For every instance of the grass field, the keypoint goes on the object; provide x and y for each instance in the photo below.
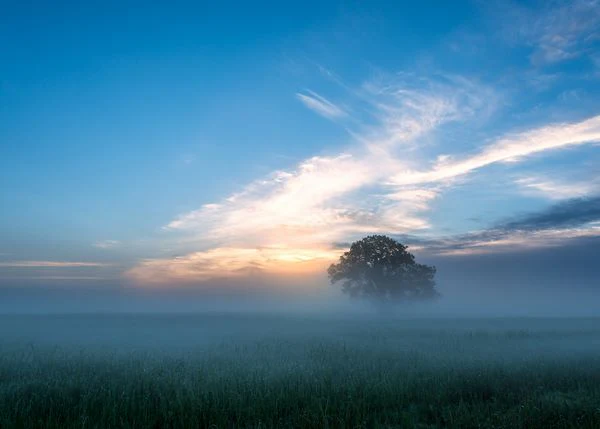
(270, 371)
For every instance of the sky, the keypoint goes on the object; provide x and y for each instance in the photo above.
(202, 144)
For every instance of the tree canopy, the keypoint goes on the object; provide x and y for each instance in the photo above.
(380, 268)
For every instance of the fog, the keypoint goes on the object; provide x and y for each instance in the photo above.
(549, 298)
(513, 341)
(557, 281)
(458, 299)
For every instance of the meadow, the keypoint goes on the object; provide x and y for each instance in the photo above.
(239, 370)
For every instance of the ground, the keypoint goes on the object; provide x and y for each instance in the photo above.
(273, 371)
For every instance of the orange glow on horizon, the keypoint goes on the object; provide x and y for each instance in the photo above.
(233, 262)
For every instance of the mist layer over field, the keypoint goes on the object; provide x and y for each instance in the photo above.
(299, 370)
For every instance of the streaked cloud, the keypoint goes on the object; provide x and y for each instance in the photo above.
(68, 278)
(325, 199)
(566, 214)
(512, 148)
(107, 244)
(578, 218)
(406, 107)
(50, 264)
(288, 220)
(557, 31)
(321, 105)
(556, 190)
(519, 241)
(566, 31)
(231, 262)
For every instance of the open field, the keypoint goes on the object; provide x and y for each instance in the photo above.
(245, 370)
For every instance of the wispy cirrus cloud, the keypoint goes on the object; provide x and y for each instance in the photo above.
(556, 190)
(325, 199)
(107, 244)
(321, 105)
(405, 107)
(566, 31)
(556, 32)
(45, 277)
(379, 184)
(50, 264)
(511, 148)
(318, 200)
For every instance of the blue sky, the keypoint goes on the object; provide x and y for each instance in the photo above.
(177, 143)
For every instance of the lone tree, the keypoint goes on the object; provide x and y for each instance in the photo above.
(381, 269)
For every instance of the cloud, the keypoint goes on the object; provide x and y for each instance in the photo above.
(287, 222)
(511, 148)
(556, 32)
(406, 107)
(578, 218)
(517, 240)
(565, 32)
(556, 190)
(107, 244)
(292, 203)
(566, 214)
(321, 105)
(50, 264)
(325, 199)
(231, 262)
(289, 219)
(73, 278)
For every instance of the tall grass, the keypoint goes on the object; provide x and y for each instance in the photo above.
(356, 375)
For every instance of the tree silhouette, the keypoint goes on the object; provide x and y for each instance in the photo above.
(381, 269)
